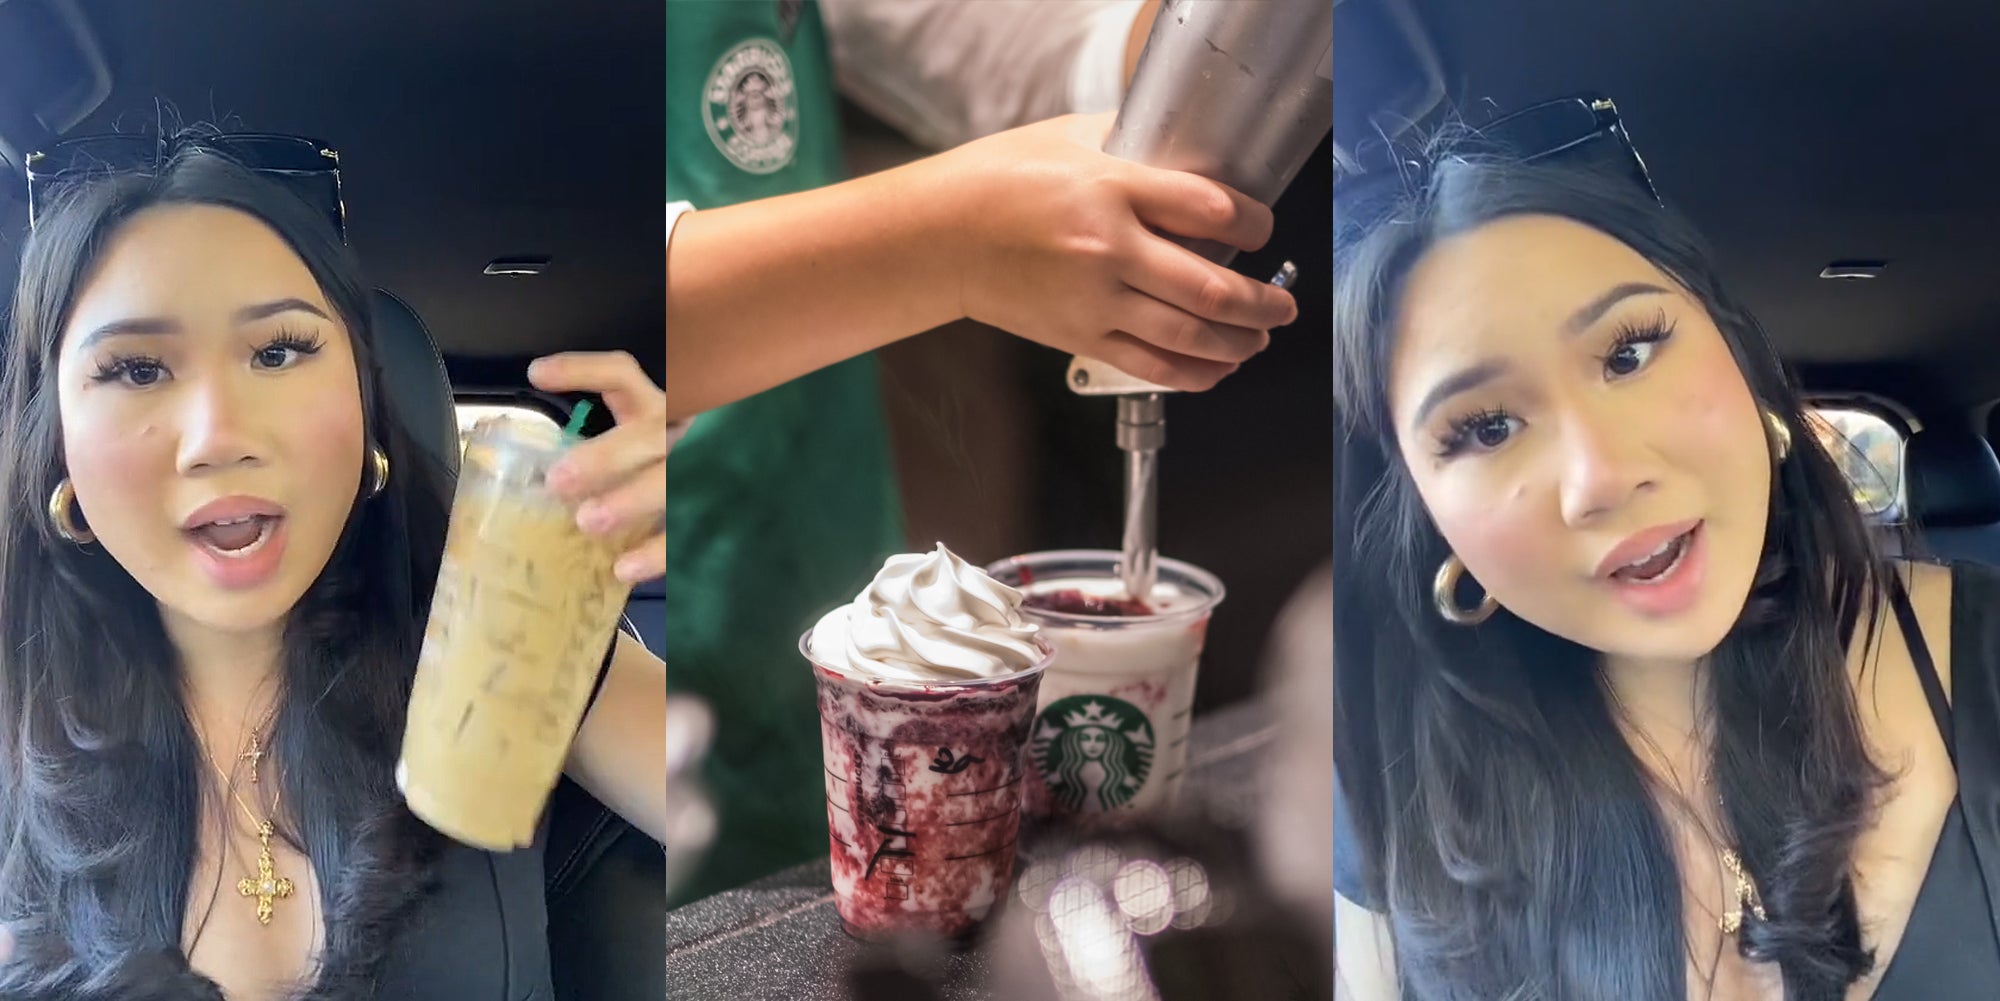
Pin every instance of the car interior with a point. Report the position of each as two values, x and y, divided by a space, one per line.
489 161
1832 155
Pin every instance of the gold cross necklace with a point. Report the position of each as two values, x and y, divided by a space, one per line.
1745 898
266 886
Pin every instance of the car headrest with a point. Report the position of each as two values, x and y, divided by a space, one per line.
414 379
1954 478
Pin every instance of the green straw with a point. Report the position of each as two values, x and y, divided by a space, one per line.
576 418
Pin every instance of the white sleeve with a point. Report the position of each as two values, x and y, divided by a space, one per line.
674 212
944 72
678 429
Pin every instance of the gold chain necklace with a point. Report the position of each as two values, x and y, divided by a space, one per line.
1746 897
267 887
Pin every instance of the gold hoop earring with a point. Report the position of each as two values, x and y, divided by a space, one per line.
1780 434
378 471
61 503
1444 591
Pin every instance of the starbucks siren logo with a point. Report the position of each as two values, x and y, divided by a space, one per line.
1093 751
751 107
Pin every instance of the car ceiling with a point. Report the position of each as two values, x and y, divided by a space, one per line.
1795 135
467 132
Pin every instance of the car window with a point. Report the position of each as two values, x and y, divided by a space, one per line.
470 414
1869 451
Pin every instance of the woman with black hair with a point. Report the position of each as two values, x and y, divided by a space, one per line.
1629 704
218 552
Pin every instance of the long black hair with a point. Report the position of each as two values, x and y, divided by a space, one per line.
100 768
1505 823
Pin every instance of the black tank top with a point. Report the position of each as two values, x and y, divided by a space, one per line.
1951 947
482 934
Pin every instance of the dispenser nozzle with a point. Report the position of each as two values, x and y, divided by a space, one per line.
1142 430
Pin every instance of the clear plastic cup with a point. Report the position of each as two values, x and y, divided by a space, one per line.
1111 725
524 611
923 796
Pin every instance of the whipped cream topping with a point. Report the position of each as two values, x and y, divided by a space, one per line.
928 617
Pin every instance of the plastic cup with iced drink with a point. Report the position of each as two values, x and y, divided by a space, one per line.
927 685
524 611
1111 726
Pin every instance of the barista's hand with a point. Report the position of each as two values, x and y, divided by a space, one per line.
1061 243
618 478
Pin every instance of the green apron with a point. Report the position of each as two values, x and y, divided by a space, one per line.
781 506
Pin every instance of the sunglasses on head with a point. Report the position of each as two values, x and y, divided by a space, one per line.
306 167
1583 129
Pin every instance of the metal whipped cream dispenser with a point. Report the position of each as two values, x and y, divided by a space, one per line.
1239 93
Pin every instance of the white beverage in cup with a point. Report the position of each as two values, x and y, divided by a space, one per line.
1112 718
524 612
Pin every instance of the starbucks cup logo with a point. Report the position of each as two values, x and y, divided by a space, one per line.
751 107
1094 752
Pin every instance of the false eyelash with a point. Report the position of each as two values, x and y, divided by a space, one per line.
303 343
119 366
1657 330
1462 427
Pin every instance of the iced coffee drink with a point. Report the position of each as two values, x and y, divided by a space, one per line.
1111 726
523 614
927 685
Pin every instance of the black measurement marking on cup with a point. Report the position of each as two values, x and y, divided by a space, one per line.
464 718
949 764
982 820
499 669
844 783
1016 780
898 846
885 850
989 851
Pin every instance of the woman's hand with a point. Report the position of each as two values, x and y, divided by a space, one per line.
617 479
1035 231
1060 243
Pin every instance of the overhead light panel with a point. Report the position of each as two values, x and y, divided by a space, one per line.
1853 270
516 267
